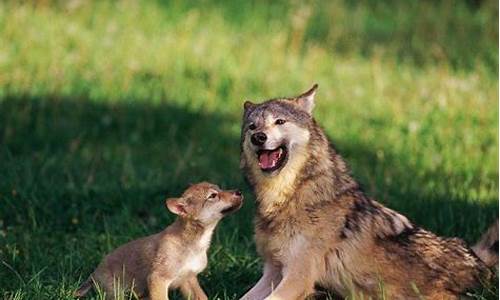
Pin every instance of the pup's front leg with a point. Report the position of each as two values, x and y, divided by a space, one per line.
298 280
158 286
191 289
270 279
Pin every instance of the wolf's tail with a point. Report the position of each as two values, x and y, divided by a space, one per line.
487 247
84 288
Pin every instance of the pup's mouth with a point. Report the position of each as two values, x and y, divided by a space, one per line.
232 208
272 160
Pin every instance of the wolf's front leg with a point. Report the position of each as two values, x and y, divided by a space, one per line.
298 280
191 289
270 279
158 287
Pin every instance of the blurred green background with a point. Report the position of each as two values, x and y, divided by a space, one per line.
108 107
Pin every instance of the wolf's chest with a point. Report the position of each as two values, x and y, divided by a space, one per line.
195 263
192 264
281 245
196 259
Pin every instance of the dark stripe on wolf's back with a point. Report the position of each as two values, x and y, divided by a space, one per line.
361 208
390 219
405 238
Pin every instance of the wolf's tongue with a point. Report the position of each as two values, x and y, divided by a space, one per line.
265 161
269 159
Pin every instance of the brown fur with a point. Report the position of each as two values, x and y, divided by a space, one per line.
152 265
487 247
315 226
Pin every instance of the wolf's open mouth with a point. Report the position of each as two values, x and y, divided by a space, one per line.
271 160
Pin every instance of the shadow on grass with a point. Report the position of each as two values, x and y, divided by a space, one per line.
63 147
80 177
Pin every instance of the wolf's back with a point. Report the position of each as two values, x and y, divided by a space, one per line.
487 247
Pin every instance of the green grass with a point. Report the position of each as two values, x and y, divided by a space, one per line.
108 108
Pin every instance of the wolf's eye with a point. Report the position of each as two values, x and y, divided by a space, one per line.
280 122
212 195
252 126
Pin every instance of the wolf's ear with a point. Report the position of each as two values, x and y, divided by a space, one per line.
306 100
176 206
248 105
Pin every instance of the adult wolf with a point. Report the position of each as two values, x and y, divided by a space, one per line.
315 226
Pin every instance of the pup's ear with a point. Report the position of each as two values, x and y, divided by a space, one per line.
306 100
248 105
176 206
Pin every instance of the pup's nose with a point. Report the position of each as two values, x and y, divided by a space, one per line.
237 193
258 138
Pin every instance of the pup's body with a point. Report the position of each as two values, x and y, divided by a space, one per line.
171 259
315 226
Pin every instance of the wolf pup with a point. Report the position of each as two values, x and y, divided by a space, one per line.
315 226
152 265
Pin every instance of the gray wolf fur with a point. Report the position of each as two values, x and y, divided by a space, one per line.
315 226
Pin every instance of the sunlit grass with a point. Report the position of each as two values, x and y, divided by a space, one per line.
107 108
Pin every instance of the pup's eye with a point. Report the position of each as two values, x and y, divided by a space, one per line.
213 195
280 122
252 126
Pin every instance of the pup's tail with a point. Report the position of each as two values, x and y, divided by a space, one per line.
84 288
487 247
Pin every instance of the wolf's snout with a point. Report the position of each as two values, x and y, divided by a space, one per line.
258 138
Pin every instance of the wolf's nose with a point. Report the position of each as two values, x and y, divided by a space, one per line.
237 193
258 138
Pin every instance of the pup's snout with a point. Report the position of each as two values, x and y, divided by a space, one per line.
234 201
258 138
